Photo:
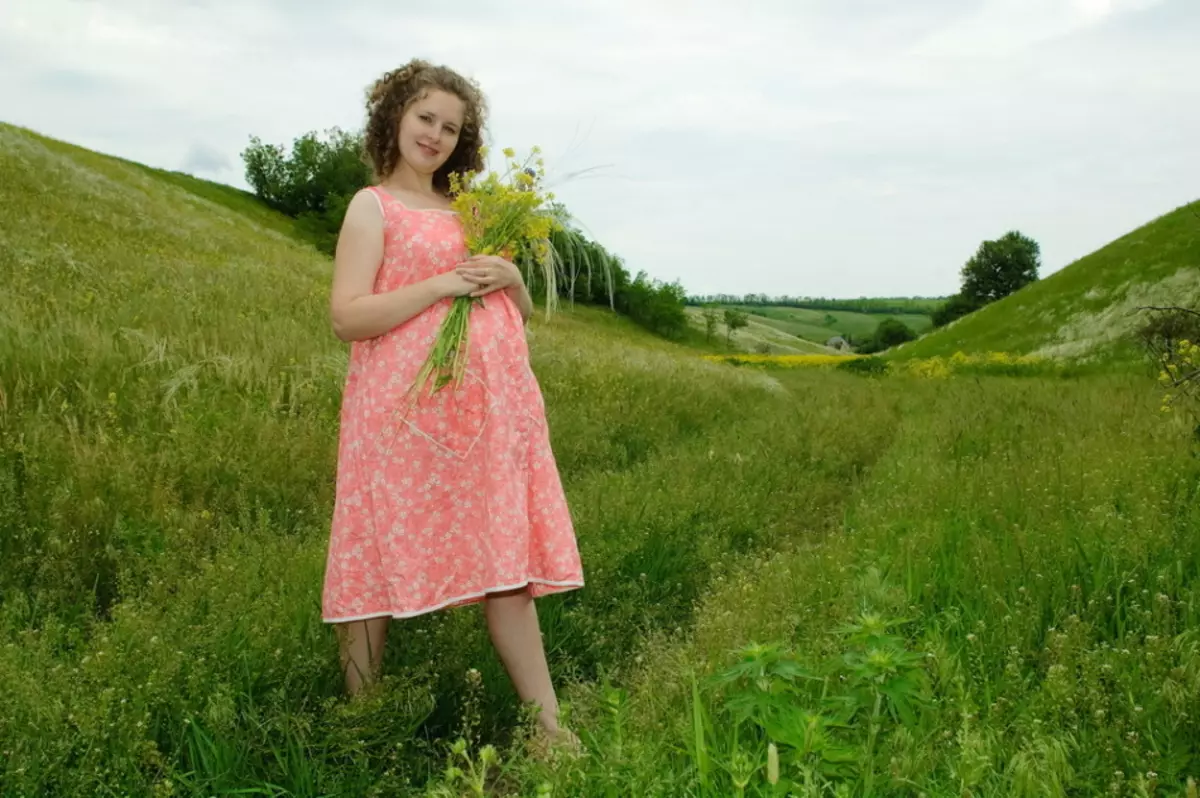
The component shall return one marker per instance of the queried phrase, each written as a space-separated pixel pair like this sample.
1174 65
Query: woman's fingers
477 275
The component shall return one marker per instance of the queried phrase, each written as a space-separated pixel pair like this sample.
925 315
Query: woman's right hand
450 285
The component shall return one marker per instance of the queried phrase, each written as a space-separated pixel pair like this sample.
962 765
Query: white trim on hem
448 602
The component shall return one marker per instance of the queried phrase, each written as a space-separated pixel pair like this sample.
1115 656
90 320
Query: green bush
890 332
865 365
313 183
654 304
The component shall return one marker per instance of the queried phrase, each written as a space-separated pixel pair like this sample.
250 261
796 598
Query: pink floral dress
439 503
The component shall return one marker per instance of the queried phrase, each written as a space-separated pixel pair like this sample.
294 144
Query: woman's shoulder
366 204
365 213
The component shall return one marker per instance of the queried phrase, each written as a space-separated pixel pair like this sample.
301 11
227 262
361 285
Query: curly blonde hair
393 94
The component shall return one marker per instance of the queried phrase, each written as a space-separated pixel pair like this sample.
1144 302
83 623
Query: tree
313 183
711 320
955 308
734 320
655 305
890 332
1000 267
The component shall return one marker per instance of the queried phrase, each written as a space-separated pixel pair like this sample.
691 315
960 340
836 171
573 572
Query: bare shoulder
359 247
365 211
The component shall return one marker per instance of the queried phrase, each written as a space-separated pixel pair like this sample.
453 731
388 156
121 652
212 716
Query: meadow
800 581
819 326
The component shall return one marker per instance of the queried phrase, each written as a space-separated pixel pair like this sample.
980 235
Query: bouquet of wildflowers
501 214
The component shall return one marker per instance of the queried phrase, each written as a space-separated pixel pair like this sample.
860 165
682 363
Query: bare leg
513 624
362 651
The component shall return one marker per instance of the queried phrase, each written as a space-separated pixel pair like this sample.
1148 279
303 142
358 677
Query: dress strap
374 190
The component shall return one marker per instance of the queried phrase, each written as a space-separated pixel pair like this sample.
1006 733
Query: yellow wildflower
499 214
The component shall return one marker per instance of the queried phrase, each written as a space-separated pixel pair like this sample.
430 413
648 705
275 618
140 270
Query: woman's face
429 131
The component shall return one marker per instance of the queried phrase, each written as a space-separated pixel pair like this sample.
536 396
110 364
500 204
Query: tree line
867 305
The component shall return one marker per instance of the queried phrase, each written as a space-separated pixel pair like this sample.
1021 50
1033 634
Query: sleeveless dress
439 503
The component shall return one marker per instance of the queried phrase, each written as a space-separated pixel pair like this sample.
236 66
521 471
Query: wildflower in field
1180 374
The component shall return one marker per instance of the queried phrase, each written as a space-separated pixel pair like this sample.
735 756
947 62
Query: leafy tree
1000 267
313 183
655 305
711 319
735 320
997 269
955 308
890 332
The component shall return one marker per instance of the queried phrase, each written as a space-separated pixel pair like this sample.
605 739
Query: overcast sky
806 147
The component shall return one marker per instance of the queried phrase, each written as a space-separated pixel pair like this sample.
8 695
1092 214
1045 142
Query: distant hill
821 325
1086 311
920 306
763 335
793 329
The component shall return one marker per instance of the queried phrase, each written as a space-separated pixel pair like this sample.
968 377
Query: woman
457 500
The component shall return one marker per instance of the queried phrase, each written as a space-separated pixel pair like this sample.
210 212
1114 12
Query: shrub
871 366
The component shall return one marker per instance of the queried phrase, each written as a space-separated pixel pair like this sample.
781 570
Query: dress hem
470 598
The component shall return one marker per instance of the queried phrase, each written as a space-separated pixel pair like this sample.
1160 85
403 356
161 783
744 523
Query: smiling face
427 119
430 130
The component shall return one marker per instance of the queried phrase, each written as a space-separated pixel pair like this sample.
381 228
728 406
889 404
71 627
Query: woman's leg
362 651
513 624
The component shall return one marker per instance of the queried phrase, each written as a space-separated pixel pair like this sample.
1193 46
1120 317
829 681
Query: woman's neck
404 177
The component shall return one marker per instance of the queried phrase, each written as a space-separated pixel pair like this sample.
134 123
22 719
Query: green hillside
985 586
1085 311
819 326
759 335
786 330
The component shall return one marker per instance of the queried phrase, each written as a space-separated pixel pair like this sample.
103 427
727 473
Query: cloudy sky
806 147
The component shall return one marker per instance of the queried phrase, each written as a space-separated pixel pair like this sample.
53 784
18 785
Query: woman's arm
356 312
520 294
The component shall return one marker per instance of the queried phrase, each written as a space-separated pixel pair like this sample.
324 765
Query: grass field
981 586
782 329
819 326
759 335
1086 310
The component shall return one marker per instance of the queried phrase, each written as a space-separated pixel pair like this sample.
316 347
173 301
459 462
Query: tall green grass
1010 607
908 586
168 429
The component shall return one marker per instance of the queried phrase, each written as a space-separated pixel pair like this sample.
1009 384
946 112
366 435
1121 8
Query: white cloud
1003 27
858 147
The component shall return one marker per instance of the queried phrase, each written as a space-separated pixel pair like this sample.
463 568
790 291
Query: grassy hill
759 335
987 586
783 329
819 325
1086 311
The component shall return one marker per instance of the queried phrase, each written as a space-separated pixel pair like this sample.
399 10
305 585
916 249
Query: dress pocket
452 419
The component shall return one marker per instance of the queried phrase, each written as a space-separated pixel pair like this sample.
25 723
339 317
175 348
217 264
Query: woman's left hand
490 273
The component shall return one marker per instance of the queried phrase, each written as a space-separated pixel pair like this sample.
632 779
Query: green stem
870 782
